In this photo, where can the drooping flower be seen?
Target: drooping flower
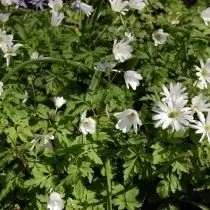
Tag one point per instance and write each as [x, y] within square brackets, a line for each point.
[159, 37]
[87, 125]
[57, 18]
[4, 17]
[79, 5]
[132, 78]
[203, 74]
[137, 4]
[205, 15]
[122, 50]
[200, 104]
[119, 6]
[55, 5]
[203, 126]
[55, 202]
[10, 49]
[1, 88]
[43, 140]
[127, 119]
[25, 97]
[59, 102]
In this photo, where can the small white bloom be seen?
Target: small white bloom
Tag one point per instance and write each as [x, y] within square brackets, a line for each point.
[104, 66]
[55, 5]
[203, 126]
[129, 36]
[1, 88]
[132, 78]
[122, 50]
[59, 102]
[173, 114]
[7, 2]
[35, 55]
[79, 5]
[137, 4]
[127, 119]
[159, 37]
[119, 6]
[25, 97]
[200, 104]
[203, 74]
[5, 39]
[174, 93]
[55, 202]
[9, 49]
[87, 125]
[4, 17]
[205, 15]
[43, 140]
[57, 18]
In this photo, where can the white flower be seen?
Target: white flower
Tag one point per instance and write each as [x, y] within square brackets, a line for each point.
[59, 102]
[173, 114]
[159, 37]
[57, 18]
[174, 93]
[5, 39]
[87, 125]
[7, 2]
[122, 50]
[205, 15]
[43, 140]
[1, 88]
[9, 49]
[55, 202]
[119, 6]
[127, 119]
[137, 4]
[87, 9]
[203, 126]
[35, 55]
[25, 97]
[200, 104]
[203, 74]
[55, 5]
[129, 36]
[132, 78]
[104, 66]
[4, 17]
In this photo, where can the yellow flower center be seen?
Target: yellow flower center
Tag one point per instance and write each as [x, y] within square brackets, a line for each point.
[173, 114]
[207, 126]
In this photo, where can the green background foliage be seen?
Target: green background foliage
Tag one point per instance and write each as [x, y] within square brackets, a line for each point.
[149, 170]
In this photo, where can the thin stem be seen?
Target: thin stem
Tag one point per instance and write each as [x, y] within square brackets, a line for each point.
[109, 184]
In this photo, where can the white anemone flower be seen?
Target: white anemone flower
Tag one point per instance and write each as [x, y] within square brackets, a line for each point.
[35, 55]
[7, 2]
[1, 88]
[44, 140]
[200, 104]
[159, 37]
[119, 6]
[137, 4]
[174, 92]
[59, 102]
[5, 39]
[55, 202]
[25, 97]
[130, 36]
[86, 8]
[203, 74]
[4, 17]
[203, 126]
[87, 125]
[127, 119]
[173, 114]
[122, 50]
[205, 15]
[55, 5]
[10, 49]
[132, 78]
[57, 18]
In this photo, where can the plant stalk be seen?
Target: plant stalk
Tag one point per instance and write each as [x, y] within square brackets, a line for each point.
[109, 184]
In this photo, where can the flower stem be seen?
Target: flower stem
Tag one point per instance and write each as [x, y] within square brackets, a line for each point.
[109, 184]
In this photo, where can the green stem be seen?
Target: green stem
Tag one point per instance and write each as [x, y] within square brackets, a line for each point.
[95, 80]
[109, 184]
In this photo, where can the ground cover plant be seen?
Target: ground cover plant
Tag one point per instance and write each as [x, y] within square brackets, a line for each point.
[104, 104]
